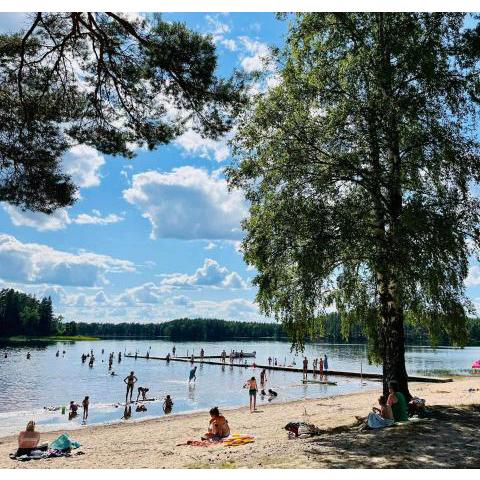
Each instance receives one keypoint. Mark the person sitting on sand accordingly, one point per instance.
(381, 417)
(218, 426)
(73, 410)
(167, 404)
(28, 440)
(397, 401)
(142, 391)
(85, 405)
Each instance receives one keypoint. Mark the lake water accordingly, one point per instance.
(49, 381)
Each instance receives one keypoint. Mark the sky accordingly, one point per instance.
(152, 238)
(156, 237)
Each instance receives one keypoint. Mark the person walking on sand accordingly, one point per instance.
(85, 405)
(305, 368)
(252, 393)
(130, 381)
(192, 375)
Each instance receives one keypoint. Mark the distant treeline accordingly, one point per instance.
(180, 329)
(23, 314)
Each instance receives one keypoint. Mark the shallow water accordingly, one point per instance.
(46, 380)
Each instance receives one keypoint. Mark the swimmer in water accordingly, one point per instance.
(167, 404)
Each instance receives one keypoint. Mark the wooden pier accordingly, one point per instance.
(366, 375)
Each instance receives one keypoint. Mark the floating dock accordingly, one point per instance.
(366, 375)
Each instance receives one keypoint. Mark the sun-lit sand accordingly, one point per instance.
(154, 443)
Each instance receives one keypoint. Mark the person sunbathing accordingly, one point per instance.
(218, 427)
(28, 440)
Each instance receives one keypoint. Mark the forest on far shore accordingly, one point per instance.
(25, 315)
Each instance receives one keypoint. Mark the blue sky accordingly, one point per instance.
(152, 238)
(156, 237)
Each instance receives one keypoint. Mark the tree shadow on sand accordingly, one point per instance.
(447, 439)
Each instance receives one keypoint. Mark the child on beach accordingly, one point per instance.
(85, 404)
(252, 392)
(167, 404)
(73, 410)
(218, 426)
(380, 417)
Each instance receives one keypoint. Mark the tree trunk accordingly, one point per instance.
(394, 350)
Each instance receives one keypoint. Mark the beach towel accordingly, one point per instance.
(376, 422)
(64, 442)
(237, 439)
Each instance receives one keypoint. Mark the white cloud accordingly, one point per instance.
(256, 56)
(42, 222)
(211, 274)
(83, 164)
(97, 219)
(229, 44)
(194, 144)
(188, 203)
(37, 263)
(179, 301)
(146, 293)
(473, 277)
(58, 220)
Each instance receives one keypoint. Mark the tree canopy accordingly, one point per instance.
(104, 80)
(359, 167)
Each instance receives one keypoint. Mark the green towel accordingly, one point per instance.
(64, 442)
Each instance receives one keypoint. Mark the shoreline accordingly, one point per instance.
(153, 443)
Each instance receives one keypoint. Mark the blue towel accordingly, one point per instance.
(64, 442)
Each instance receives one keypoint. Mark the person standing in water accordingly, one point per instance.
(28, 356)
(325, 363)
(320, 368)
(85, 405)
(305, 368)
(130, 381)
(192, 375)
(173, 350)
(252, 393)
(263, 377)
(119, 357)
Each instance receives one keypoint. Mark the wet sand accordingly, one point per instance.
(448, 440)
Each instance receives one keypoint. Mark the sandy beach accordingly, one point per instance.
(448, 440)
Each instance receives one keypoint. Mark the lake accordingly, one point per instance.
(49, 381)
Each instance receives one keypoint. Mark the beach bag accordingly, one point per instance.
(64, 442)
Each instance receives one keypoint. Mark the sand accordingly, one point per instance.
(448, 440)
